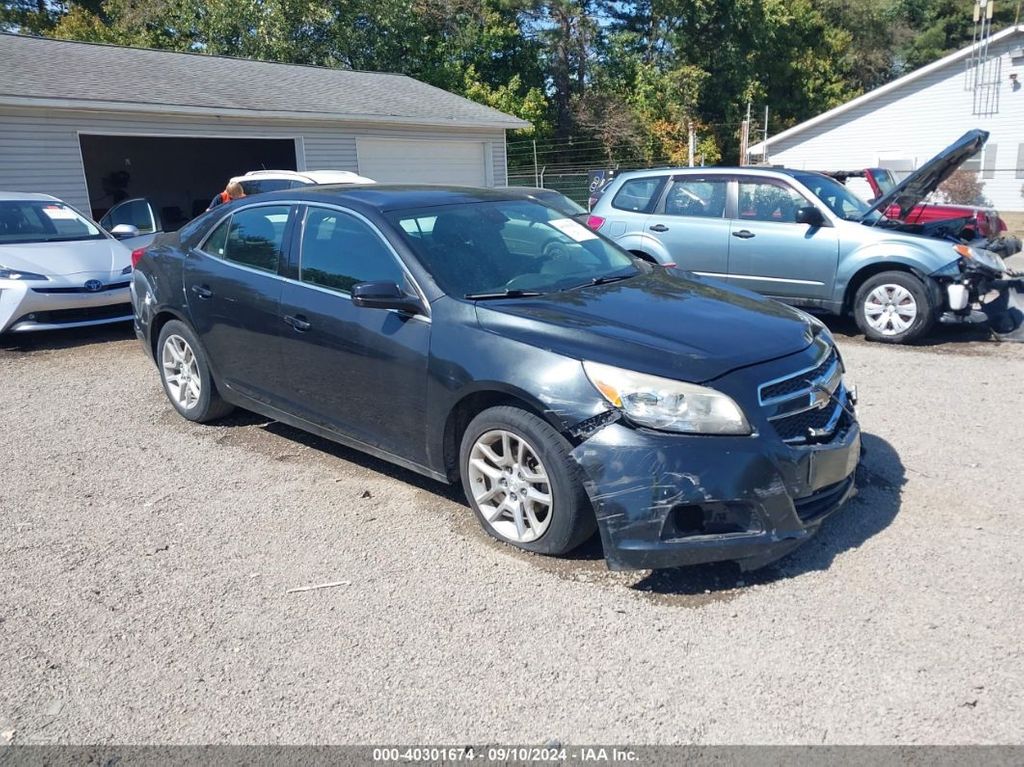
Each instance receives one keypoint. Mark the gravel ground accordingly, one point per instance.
(146, 563)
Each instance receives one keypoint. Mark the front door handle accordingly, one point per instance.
(743, 234)
(202, 291)
(298, 322)
(659, 228)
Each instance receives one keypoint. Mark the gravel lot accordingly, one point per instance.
(145, 564)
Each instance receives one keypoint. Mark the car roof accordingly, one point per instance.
(385, 197)
(757, 170)
(317, 176)
(26, 197)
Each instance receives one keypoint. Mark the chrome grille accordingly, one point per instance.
(809, 405)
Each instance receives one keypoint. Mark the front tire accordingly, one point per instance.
(185, 374)
(522, 483)
(894, 308)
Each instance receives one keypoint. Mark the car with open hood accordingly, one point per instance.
(804, 238)
(568, 389)
(58, 268)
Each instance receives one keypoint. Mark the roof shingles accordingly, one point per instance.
(46, 69)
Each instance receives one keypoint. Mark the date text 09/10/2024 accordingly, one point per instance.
(504, 754)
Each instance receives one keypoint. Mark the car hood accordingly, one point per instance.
(686, 328)
(66, 258)
(922, 182)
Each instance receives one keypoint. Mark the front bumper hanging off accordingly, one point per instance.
(1006, 313)
(671, 500)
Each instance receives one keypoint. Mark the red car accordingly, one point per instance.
(986, 221)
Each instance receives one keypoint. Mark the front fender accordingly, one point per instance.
(920, 259)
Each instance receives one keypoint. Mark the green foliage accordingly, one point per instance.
(600, 81)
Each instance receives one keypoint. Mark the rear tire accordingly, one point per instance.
(894, 308)
(522, 483)
(185, 374)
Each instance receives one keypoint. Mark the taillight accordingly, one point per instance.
(595, 222)
(136, 255)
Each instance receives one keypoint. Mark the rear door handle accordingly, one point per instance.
(202, 291)
(659, 228)
(743, 234)
(298, 322)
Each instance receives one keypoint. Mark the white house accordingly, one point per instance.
(903, 123)
(92, 124)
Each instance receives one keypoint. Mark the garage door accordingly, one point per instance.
(423, 162)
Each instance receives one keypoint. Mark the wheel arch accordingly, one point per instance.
(156, 324)
(471, 404)
(869, 270)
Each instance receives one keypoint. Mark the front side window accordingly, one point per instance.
(339, 251)
(836, 197)
(768, 201)
(44, 221)
(698, 197)
(637, 194)
(135, 213)
(478, 248)
(255, 237)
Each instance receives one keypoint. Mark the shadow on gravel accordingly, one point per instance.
(940, 335)
(880, 480)
(349, 455)
(50, 340)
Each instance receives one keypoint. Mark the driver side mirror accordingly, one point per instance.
(385, 295)
(810, 215)
(124, 231)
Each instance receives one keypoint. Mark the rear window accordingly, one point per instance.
(269, 185)
(638, 194)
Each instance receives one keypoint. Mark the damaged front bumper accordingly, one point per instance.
(666, 500)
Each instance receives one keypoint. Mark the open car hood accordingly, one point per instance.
(909, 193)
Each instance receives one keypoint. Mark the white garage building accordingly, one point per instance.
(93, 124)
(901, 124)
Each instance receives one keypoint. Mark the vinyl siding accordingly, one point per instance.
(39, 149)
(916, 121)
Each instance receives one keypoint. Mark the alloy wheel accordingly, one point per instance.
(181, 371)
(510, 486)
(890, 309)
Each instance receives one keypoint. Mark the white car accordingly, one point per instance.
(257, 181)
(59, 269)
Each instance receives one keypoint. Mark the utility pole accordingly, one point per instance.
(765, 134)
(536, 180)
(745, 137)
(693, 144)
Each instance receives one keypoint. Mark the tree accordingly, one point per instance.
(963, 188)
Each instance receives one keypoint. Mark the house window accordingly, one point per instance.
(989, 169)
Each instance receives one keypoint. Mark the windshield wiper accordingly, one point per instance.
(603, 280)
(509, 293)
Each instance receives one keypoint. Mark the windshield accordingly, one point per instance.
(837, 197)
(44, 221)
(489, 249)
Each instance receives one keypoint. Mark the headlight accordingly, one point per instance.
(15, 274)
(983, 257)
(662, 403)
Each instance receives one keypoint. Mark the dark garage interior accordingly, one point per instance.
(179, 176)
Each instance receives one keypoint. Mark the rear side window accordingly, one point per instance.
(339, 251)
(255, 237)
(637, 194)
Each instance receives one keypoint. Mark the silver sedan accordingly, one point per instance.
(58, 269)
